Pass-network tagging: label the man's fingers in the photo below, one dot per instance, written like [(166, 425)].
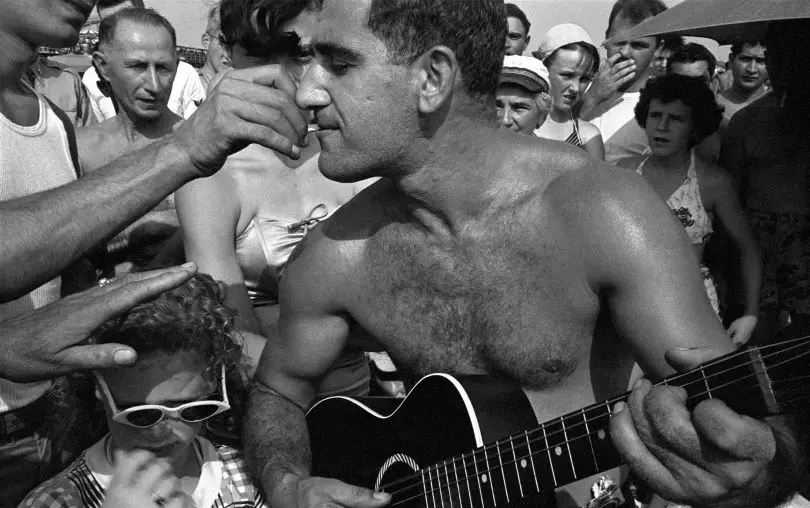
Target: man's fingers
[(359, 497), (279, 80), (128, 463), (97, 356), (739, 436), (133, 289)]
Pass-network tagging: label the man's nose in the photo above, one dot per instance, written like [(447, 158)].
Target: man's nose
[(751, 66), (152, 82), (663, 125), (505, 117), (310, 93)]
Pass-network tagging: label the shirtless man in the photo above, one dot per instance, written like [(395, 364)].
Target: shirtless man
[(767, 147), (485, 251), (137, 57)]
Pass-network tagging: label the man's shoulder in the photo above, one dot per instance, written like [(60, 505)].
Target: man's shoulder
[(61, 491)]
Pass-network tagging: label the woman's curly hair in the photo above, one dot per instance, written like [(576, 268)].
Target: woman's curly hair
[(191, 317), (255, 25), (693, 92)]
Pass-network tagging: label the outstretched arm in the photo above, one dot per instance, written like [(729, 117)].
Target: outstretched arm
[(249, 106)]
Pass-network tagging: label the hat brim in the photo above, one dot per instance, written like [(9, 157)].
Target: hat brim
[(533, 85)]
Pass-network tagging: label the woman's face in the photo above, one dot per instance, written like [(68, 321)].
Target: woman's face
[(165, 379), (295, 65), (569, 76), (669, 127)]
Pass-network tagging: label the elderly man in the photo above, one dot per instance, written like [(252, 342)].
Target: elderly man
[(487, 252), (522, 99), (216, 56), (137, 57)]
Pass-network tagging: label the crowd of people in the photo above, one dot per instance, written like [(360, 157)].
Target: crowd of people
[(190, 260)]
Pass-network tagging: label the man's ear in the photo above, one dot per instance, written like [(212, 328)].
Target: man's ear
[(528, 40), (436, 72), (100, 61)]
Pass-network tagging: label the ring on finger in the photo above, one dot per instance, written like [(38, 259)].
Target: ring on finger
[(159, 500)]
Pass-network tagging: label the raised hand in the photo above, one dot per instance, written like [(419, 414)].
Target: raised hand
[(141, 480), (255, 105), (48, 342)]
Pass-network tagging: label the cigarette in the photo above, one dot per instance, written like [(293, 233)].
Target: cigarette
[(313, 128)]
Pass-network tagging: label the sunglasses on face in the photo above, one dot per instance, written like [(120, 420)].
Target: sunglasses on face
[(148, 415)]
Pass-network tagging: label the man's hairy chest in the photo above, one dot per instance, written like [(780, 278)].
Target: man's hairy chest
[(496, 303)]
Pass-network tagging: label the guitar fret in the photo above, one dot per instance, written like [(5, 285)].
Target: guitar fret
[(548, 453), (488, 475), (439, 482), (590, 441), (706, 383), (517, 470), (503, 471), (478, 479), (568, 447), (458, 484), (425, 489), (467, 479), (432, 490), (531, 459), (449, 485)]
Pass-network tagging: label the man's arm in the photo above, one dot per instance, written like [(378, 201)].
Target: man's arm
[(638, 257), (46, 232), (312, 332)]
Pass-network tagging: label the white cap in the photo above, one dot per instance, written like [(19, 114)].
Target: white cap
[(562, 35), (525, 71)]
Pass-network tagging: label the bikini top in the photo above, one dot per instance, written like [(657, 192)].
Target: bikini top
[(574, 138), (688, 206), (263, 248)]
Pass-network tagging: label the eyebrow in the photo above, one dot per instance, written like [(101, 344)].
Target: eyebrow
[(333, 50)]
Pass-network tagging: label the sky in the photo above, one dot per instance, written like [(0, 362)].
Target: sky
[(189, 18)]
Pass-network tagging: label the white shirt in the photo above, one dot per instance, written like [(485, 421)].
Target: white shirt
[(33, 159), (186, 89), (623, 137)]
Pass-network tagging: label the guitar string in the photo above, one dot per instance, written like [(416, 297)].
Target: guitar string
[(588, 434), (509, 463), (622, 397), (448, 485)]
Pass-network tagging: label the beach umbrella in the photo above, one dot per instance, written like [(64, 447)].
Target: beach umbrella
[(726, 21)]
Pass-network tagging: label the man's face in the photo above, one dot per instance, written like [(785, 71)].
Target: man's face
[(641, 50), (660, 62), (748, 67), (54, 23), (216, 54), (517, 109), (698, 69), (516, 37), (364, 105), (163, 379), (140, 65)]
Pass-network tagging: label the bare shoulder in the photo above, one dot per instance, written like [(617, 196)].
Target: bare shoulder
[(588, 130)]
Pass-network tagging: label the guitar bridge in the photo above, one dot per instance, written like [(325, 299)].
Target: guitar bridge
[(605, 494)]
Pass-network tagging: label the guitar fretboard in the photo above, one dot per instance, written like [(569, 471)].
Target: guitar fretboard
[(757, 382)]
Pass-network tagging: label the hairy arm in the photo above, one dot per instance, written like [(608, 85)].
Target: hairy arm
[(311, 334), (73, 218)]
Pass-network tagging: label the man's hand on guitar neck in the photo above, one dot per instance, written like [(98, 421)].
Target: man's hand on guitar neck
[(316, 491), (709, 457)]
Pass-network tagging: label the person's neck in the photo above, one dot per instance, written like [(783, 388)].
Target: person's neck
[(640, 82), (136, 131), (560, 116), (740, 95), (16, 57), (208, 69), (457, 169), (673, 163)]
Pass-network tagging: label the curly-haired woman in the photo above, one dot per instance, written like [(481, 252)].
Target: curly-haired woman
[(153, 454), (677, 113)]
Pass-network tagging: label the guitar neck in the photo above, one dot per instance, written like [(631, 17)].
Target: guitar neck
[(577, 445)]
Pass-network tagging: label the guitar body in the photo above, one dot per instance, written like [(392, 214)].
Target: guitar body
[(441, 417)]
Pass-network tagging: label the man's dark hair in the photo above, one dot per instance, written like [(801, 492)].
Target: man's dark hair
[(255, 25), (635, 10), (693, 92), (691, 53), (737, 47), (139, 15), (671, 42), (473, 29), (513, 11)]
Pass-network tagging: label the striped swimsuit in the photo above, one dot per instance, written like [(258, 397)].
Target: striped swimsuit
[(574, 138)]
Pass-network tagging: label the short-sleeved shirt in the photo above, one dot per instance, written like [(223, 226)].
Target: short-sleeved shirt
[(616, 120), (224, 480)]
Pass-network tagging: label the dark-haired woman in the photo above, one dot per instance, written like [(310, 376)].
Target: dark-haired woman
[(677, 113), (242, 224), (572, 60)]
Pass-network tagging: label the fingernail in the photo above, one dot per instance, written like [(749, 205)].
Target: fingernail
[(296, 150), (619, 407), (124, 357), (638, 384), (188, 266), (691, 349), (382, 496)]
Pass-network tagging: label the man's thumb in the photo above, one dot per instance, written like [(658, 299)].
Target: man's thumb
[(683, 359), (98, 356)]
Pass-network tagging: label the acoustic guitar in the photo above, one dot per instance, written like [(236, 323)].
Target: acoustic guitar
[(474, 441)]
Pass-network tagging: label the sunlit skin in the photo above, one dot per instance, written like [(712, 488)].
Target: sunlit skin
[(517, 109), (569, 77), (517, 40), (140, 65)]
